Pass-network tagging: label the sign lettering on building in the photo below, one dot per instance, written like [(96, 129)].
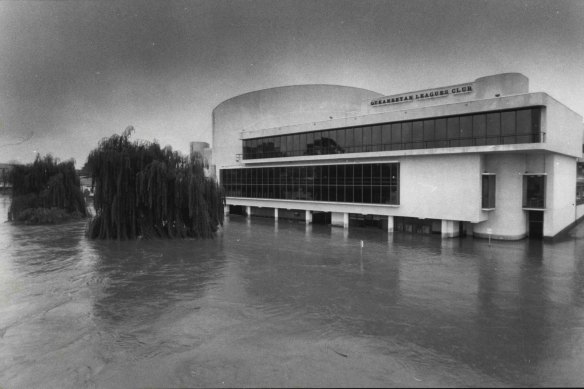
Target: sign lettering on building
[(423, 95)]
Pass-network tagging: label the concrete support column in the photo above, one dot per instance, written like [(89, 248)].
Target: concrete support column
[(308, 217), (340, 219), (248, 211), (226, 210), (449, 228), (275, 213), (390, 224)]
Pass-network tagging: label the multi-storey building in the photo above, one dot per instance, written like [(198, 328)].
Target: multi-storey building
[(486, 158)]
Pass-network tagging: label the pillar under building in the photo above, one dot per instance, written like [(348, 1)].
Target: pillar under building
[(449, 228), (340, 219)]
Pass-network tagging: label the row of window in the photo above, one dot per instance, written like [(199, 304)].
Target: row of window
[(492, 128), (376, 183)]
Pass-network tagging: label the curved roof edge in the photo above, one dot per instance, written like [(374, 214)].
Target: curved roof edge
[(296, 86)]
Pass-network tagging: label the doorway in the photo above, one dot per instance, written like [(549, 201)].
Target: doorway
[(535, 225)]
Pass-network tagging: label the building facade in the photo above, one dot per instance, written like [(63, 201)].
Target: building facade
[(486, 158)]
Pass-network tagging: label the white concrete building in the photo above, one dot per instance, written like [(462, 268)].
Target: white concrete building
[(486, 158)]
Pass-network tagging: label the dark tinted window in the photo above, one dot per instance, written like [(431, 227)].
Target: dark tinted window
[(510, 126)]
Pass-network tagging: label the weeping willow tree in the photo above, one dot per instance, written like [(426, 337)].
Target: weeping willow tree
[(46, 191), (143, 190)]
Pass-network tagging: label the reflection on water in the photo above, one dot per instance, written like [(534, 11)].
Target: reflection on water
[(283, 304)]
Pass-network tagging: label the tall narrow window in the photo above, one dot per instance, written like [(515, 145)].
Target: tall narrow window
[(508, 127), (296, 147), (580, 183), (493, 128), (302, 149), (407, 135), (440, 133), (358, 139), (524, 126), (466, 131), (386, 136), (488, 191), (349, 140), (534, 191), (324, 142), (418, 134), (376, 138), (310, 143), (479, 129), (396, 136), (366, 139), (453, 131), (429, 133), (341, 140)]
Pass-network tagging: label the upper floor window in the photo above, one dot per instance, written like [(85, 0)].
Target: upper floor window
[(478, 129)]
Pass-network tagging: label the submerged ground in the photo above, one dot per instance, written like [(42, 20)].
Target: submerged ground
[(284, 304)]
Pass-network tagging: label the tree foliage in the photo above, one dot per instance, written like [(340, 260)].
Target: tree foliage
[(46, 184), (144, 190)]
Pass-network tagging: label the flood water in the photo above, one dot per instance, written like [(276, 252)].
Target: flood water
[(284, 304)]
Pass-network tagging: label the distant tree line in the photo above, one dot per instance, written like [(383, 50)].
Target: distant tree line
[(140, 190)]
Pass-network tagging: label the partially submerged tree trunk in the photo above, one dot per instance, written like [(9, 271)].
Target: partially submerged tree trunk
[(143, 190)]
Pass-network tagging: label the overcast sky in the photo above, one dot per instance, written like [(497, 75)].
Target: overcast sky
[(72, 73)]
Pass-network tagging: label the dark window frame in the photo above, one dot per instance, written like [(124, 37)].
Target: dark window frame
[(369, 183)]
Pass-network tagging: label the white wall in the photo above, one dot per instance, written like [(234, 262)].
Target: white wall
[(441, 187), (579, 211), (508, 220), (563, 127), (560, 194)]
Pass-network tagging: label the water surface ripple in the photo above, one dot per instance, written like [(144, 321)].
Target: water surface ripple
[(284, 304)]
